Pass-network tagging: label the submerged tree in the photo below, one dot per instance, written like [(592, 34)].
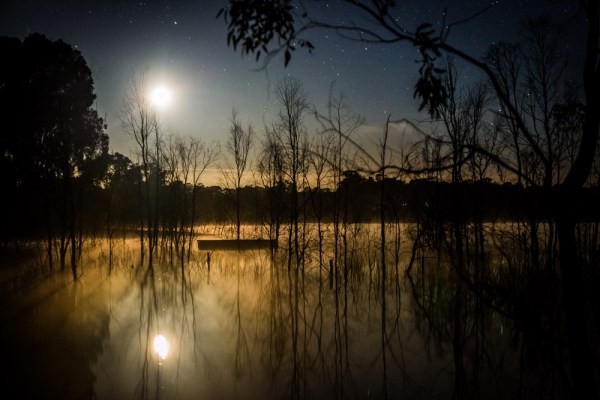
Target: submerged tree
[(290, 132), (184, 161), (271, 170), (238, 145), (140, 122), (340, 122)]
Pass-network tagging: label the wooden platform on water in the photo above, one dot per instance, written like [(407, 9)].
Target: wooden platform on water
[(234, 244)]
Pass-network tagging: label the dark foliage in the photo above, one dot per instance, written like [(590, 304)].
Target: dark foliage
[(53, 147), (261, 27)]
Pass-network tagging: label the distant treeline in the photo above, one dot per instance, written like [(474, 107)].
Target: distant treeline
[(417, 200), (413, 201)]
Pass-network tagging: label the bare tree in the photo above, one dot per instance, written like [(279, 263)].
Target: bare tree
[(545, 64), (489, 140), (238, 146), (184, 161), (199, 156), (319, 158), (290, 131), (506, 63), (271, 170), (139, 121), (341, 122), (461, 115), (174, 178)]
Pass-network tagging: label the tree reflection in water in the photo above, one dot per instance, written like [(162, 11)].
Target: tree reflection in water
[(52, 330), (489, 326)]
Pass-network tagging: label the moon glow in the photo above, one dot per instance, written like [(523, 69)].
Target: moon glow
[(161, 96), (161, 346)]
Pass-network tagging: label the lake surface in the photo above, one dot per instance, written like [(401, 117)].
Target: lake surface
[(248, 327)]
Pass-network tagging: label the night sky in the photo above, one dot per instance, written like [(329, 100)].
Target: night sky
[(182, 45)]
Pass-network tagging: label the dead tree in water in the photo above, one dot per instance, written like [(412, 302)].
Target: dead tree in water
[(291, 133), (320, 154), (200, 156), (271, 170), (139, 122), (238, 145), (340, 122)]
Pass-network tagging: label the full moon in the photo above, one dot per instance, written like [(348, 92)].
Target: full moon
[(160, 96)]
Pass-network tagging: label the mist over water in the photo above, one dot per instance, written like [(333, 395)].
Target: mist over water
[(246, 326)]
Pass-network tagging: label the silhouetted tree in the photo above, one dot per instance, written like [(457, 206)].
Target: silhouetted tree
[(291, 133), (139, 121), (271, 170), (462, 116), (46, 99), (238, 146), (340, 121), (319, 157)]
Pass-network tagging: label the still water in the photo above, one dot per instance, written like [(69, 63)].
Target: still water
[(246, 326)]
